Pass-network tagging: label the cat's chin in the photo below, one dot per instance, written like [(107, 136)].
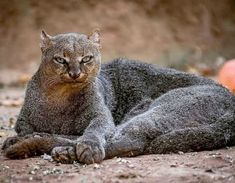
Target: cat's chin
[(76, 81)]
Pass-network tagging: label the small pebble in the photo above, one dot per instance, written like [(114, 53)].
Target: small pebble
[(156, 159), (6, 167), (214, 153), (180, 152), (121, 160), (130, 166), (46, 172), (46, 157), (52, 171), (194, 154), (36, 167), (76, 164), (32, 172), (96, 166), (209, 170), (174, 165)]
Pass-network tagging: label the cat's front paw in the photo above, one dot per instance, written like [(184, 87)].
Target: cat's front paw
[(89, 152), (10, 141), (64, 154)]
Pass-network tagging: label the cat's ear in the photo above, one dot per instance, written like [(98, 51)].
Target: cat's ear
[(95, 37), (45, 40)]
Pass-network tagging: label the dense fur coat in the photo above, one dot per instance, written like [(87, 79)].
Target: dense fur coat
[(79, 109)]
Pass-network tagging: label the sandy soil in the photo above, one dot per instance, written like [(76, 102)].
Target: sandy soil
[(214, 166), (207, 166)]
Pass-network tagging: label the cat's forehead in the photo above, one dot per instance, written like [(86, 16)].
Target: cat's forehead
[(72, 42), (70, 37)]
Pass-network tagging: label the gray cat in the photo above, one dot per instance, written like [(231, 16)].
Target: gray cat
[(79, 109)]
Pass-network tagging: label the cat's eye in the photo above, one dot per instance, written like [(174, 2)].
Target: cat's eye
[(87, 58), (60, 60)]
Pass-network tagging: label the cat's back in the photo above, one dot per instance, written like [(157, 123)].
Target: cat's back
[(130, 74)]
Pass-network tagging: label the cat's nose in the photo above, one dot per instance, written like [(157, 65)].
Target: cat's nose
[(74, 75)]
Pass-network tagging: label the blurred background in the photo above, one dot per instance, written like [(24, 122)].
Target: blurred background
[(195, 36)]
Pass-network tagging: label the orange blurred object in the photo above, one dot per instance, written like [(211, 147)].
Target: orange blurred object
[(227, 75)]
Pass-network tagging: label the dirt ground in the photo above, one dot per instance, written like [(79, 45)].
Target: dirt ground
[(207, 166)]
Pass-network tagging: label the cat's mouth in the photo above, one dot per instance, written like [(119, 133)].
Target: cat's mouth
[(74, 81), (78, 80)]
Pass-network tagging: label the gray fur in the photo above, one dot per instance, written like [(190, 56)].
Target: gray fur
[(123, 108)]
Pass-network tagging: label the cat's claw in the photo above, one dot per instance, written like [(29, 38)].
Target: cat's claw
[(89, 152), (64, 154)]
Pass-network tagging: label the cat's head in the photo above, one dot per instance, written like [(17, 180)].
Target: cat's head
[(70, 58)]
